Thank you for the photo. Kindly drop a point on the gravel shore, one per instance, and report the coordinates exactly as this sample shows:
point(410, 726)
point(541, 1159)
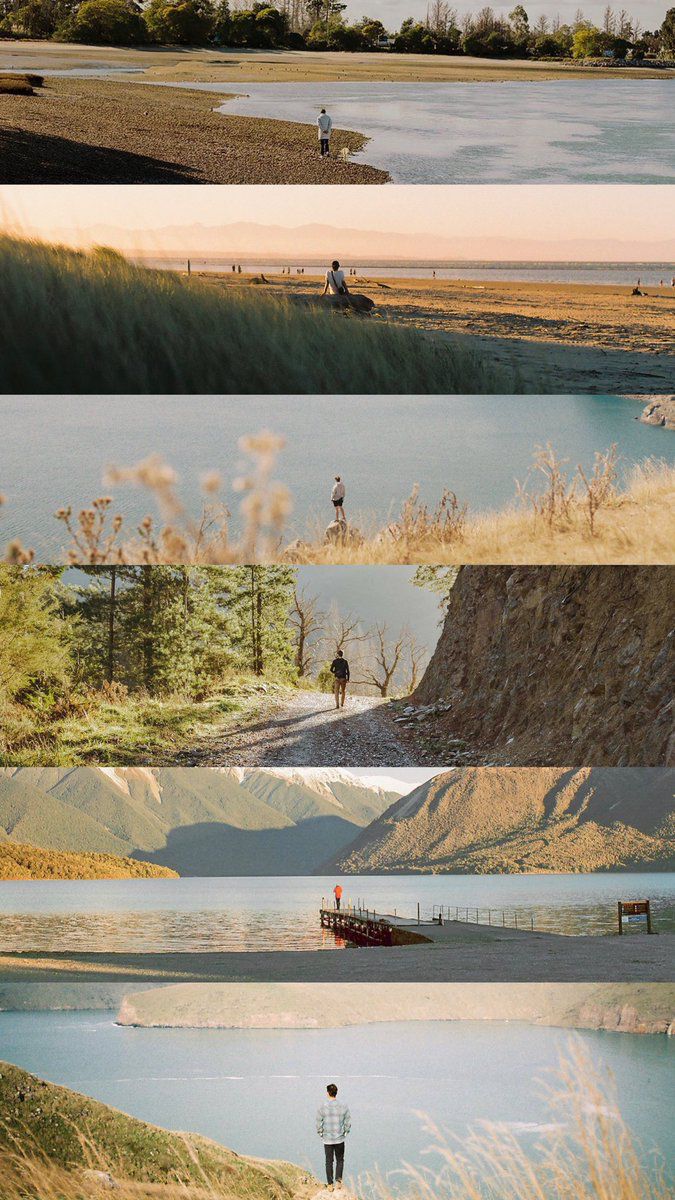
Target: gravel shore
point(118, 131)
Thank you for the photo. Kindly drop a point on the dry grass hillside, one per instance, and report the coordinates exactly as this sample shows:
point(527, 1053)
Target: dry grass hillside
point(51, 1139)
point(508, 820)
point(555, 664)
point(30, 862)
point(633, 1008)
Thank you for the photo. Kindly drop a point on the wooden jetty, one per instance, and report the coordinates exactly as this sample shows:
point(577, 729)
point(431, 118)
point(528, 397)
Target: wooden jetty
point(358, 927)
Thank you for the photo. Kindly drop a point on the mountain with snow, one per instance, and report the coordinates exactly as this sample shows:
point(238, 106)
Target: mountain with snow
point(198, 821)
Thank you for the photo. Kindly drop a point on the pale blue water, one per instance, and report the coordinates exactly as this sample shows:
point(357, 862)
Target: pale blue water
point(650, 275)
point(248, 914)
point(568, 131)
point(257, 1090)
point(54, 450)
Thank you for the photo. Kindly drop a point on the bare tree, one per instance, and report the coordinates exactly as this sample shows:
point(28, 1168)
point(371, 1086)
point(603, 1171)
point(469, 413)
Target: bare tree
point(440, 17)
point(609, 20)
point(345, 630)
point(416, 655)
point(307, 620)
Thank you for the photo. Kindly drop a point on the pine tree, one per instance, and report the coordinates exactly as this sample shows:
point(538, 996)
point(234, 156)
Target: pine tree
point(35, 636)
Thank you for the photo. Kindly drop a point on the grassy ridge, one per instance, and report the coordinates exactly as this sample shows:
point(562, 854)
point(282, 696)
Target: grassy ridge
point(93, 323)
point(74, 1133)
point(30, 862)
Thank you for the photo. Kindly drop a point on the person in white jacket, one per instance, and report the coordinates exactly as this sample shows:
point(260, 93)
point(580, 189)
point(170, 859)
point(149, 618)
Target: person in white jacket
point(338, 498)
point(325, 124)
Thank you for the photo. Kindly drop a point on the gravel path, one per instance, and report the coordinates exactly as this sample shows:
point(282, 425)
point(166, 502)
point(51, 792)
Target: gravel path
point(309, 731)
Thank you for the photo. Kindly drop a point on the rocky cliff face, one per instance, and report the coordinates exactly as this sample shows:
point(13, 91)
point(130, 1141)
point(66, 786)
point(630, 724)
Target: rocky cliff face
point(551, 665)
point(518, 819)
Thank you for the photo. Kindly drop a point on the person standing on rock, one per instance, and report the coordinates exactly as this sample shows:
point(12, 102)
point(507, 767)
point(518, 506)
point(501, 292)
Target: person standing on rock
point(325, 124)
point(333, 1123)
point(340, 671)
point(338, 498)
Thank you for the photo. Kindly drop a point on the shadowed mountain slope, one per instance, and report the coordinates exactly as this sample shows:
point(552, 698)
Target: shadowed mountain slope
point(197, 821)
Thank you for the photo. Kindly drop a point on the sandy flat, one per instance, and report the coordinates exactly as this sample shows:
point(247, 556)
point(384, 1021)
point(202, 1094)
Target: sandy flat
point(299, 66)
point(507, 959)
point(559, 337)
point(122, 131)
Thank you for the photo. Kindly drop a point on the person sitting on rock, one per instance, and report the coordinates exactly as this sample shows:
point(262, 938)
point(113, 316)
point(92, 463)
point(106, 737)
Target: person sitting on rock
point(338, 499)
point(335, 281)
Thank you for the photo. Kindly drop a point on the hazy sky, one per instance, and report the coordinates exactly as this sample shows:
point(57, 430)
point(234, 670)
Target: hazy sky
point(549, 215)
point(407, 777)
point(377, 594)
point(650, 13)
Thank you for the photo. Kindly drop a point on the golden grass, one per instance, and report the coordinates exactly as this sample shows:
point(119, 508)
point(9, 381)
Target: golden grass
point(576, 518)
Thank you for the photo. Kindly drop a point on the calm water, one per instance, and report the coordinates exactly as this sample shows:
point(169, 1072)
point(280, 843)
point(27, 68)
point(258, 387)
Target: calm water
point(54, 450)
point(616, 274)
point(569, 131)
point(282, 913)
point(257, 1090)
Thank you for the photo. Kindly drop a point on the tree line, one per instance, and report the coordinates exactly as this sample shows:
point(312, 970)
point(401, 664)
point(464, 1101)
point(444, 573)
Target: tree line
point(179, 630)
point(321, 25)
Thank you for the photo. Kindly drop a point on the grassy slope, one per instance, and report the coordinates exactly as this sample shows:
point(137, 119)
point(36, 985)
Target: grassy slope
point(29, 862)
point(92, 323)
point(137, 731)
point(73, 1132)
point(636, 525)
point(633, 1007)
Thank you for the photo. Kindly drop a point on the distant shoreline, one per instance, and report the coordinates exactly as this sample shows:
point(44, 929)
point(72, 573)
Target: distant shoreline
point(298, 66)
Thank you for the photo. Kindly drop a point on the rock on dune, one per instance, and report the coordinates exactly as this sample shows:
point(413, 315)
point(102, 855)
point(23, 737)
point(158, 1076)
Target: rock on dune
point(660, 411)
point(340, 533)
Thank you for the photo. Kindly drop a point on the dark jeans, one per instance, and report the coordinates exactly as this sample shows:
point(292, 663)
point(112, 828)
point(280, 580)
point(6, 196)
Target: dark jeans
point(337, 902)
point(339, 1152)
point(325, 146)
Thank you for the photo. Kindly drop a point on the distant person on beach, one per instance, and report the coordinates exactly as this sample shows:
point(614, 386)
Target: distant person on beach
point(335, 281)
point(325, 124)
point(333, 1123)
point(340, 672)
point(337, 892)
point(338, 498)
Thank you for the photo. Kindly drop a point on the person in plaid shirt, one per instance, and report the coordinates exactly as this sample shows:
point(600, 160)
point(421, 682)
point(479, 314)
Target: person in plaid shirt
point(333, 1123)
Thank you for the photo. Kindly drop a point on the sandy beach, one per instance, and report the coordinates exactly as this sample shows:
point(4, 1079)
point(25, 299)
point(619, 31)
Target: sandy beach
point(467, 957)
point(558, 337)
point(123, 131)
point(300, 66)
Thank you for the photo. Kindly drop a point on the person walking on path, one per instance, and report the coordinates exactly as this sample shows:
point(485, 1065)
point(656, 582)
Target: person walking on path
point(333, 1123)
point(337, 892)
point(338, 498)
point(340, 670)
point(325, 124)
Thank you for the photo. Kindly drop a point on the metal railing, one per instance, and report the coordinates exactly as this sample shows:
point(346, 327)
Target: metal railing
point(498, 917)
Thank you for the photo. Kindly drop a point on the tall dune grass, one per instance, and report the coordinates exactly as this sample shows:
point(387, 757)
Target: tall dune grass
point(94, 323)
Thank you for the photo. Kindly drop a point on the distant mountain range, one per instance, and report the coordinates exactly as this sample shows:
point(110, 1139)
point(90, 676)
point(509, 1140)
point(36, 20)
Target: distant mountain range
point(505, 820)
point(197, 821)
point(249, 239)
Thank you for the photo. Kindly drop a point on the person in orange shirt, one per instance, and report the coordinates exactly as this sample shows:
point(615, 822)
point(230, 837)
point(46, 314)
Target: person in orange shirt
point(337, 892)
